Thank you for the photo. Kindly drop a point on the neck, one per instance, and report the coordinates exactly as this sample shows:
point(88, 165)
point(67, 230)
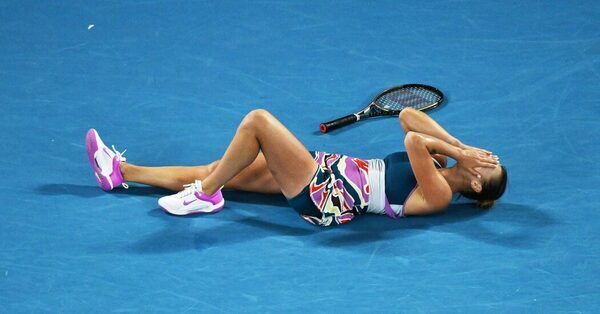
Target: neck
point(457, 178)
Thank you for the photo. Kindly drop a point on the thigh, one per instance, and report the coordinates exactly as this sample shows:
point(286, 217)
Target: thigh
point(290, 163)
point(255, 178)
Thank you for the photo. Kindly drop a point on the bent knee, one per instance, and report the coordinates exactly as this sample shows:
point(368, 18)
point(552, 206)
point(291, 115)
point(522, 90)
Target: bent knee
point(406, 114)
point(259, 115)
point(256, 117)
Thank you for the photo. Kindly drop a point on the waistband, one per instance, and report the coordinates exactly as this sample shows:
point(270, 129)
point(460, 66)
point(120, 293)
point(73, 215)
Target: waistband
point(378, 202)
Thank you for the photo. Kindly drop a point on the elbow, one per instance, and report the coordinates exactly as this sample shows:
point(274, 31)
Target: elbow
point(439, 199)
point(440, 204)
point(406, 115)
point(412, 139)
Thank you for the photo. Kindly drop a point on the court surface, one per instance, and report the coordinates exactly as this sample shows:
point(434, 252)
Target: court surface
point(170, 81)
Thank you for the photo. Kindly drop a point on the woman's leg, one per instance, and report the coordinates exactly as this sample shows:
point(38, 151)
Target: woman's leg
point(291, 165)
point(254, 178)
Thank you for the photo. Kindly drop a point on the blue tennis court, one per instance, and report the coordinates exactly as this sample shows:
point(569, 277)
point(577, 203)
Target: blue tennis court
point(171, 80)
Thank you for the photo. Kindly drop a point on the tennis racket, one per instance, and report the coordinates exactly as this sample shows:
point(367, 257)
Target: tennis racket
point(391, 102)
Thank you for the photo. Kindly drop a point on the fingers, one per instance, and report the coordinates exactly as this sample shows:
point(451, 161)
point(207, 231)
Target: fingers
point(484, 151)
point(483, 162)
point(475, 173)
point(491, 159)
point(488, 165)
point(485, 158)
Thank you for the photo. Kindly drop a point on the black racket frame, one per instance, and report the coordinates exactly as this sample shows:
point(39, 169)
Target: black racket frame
point(374, 110)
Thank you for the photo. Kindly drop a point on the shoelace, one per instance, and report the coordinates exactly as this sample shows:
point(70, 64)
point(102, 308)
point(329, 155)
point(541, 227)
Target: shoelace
point(121, 158)
point(190, 188)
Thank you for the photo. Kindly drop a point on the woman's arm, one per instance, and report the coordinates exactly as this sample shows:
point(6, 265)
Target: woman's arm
point(417, 121)
point(435, 190)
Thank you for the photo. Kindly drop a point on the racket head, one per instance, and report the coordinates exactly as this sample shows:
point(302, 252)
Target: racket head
point(418, 96)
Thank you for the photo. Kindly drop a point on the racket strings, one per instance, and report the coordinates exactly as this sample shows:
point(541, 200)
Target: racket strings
point(416, 97)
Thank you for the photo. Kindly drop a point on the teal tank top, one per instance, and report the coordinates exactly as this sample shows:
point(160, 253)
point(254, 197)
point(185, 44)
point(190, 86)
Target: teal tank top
point(399, 177)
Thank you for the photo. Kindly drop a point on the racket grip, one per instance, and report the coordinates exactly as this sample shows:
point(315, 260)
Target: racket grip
point(337, 123)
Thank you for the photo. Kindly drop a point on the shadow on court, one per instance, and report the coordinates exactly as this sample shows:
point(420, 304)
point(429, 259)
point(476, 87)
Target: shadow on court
point(255, 198)
point(91, 191)
point(506, 225)
point(181, 234)
point(513, 227)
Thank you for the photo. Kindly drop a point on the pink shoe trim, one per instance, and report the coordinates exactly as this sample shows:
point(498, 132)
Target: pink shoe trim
point(92, 147)
point(215, 198)
point(116, 176)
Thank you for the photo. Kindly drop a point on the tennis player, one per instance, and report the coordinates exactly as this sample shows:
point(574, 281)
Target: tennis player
point(324, 188)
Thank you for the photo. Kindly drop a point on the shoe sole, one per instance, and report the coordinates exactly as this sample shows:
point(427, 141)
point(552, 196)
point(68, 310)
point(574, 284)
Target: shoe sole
point(211, 210)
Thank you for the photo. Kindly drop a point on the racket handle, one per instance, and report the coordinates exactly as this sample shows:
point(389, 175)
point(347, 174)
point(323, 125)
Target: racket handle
point(337, 123)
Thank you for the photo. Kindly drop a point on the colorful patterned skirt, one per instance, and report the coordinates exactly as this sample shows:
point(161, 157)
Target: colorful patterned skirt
point(338, 191)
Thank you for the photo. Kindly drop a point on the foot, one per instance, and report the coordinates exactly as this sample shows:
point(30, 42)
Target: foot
point(191, 201)
point(104, 162)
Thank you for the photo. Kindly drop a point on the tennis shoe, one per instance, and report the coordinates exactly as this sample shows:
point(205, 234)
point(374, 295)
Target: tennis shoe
point(191, 201)
point(104, 162)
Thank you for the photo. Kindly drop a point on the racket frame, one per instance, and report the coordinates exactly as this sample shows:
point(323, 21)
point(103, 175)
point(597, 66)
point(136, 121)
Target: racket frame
point(374, 110)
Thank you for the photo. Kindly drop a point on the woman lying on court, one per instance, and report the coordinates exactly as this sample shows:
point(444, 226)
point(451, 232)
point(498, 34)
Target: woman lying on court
point(264, 157)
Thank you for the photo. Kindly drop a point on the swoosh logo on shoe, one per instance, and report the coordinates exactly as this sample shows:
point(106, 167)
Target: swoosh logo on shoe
point(186, 203)
point(96, 161)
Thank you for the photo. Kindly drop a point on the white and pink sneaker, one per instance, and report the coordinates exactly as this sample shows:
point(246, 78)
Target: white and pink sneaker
point(104, 161)
point(191, 201)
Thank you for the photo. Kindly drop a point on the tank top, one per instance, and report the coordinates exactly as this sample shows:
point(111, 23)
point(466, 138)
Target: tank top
point(400, 180)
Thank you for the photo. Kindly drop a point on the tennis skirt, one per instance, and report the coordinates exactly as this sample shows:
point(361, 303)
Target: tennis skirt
point(338, 191)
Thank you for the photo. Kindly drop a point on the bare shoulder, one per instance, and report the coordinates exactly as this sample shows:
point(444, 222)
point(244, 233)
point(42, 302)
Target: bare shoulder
point(416, 204)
